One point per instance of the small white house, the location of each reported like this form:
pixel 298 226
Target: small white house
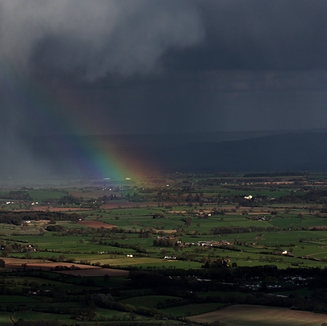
pixel 248 197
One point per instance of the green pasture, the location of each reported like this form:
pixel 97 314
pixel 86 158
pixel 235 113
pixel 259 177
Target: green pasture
pixel 3 193
pixel 81 283
pixel 39 316
pixel 257 192
pixel 39 195
pixel 266 239
pixel 273 193
pixel 37 239
pixel 61 243
pixel 68 225
pixel 91 193
pixel 221 294
pixel 5 318
pixel 173 264
pixel 69 246
pixel 285 238
pixel 147 262
pixel 17 299
pixel 256 260
pixel 230 221
pixel 134 211
pixel 77 249
pixel 316 252
pixel 123 261
pixel 43 306
pixel 73 258
pixel 254 256
pixel 171 222
pixel 292 207
pixel 313 221
pixel 10 229
pixel 230 237
pixel 43 194
pixel 292 220
pixel 142 221
pixel 299 292
pixel 134 240
pixel 310 249
pixel 39 283
pixel 125 212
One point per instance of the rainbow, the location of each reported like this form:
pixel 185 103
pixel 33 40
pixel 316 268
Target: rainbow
pixel 59 111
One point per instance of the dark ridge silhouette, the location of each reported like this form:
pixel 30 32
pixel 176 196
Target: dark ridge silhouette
pixel 199 152
pixel 285 152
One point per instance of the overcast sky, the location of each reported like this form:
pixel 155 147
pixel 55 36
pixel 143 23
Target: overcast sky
pixel 156 66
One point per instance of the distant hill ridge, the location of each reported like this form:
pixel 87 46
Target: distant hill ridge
pixel 265 151
pixel 303 151
pixel 192 137
pixel 259 151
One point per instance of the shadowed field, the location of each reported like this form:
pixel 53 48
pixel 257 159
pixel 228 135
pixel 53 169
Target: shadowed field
pixel 246 315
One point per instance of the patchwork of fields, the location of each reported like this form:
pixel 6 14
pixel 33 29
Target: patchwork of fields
pixel 155 252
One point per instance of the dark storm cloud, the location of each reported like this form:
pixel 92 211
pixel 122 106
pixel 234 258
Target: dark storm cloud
pixel 265 35
pixel 179 65
pixel 145 66
pixel 96 37
pixel 92 38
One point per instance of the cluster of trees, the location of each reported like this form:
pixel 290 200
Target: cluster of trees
pixel 11 246
pixel 187 221
pixel 135 198
pixel 17 218
pixel 158 215
pixel 316 196
pixel 162 242
pixel 55 228
pixel 18 195
pixel 138 248
pixel 105 199
pixel 83 202
pixel 218 263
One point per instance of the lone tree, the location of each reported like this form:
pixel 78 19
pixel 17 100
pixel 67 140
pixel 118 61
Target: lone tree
pixel 158 215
